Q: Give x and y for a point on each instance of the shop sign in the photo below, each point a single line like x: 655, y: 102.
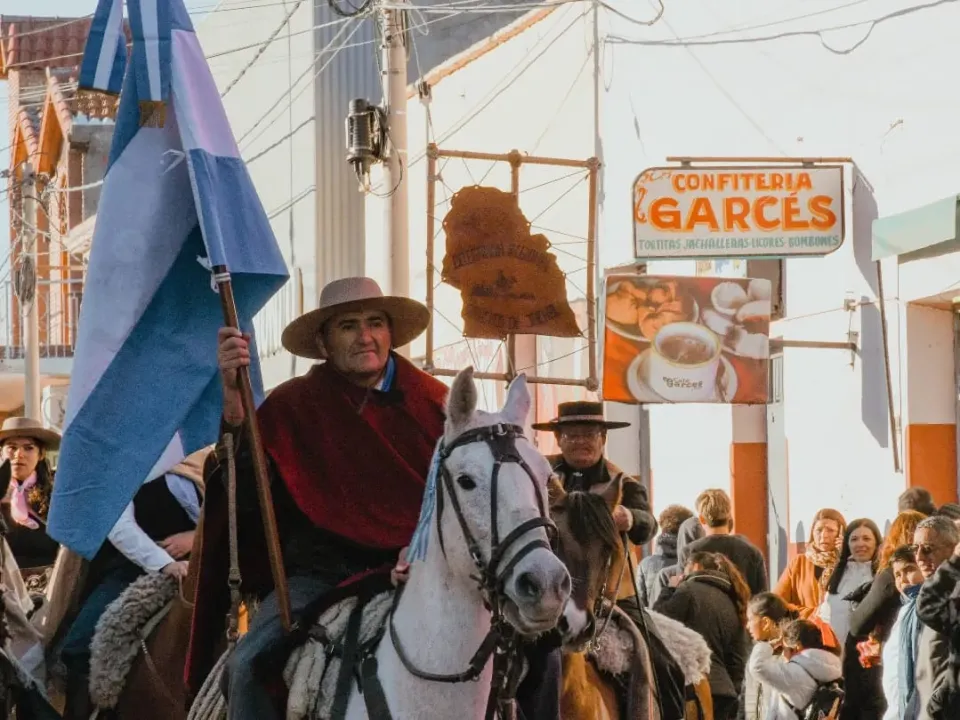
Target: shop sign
x: 508, y: 280
x: 738, y: 211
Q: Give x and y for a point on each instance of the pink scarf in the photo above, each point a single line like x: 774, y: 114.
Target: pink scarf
x: 19, y: 508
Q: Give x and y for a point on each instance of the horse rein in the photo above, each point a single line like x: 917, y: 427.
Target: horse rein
x: 603, y: 599
x: 502, y: 640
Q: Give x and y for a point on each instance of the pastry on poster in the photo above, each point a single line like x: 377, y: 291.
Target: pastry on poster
x: 637, y: 308
x: 741, y: 317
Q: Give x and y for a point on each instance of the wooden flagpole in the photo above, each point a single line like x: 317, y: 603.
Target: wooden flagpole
x: 222, y: 278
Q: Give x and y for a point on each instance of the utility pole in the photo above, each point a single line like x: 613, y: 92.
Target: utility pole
x: 395, y: 166
x: 26, y: 289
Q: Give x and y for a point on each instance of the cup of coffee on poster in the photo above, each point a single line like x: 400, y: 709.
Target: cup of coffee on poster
x: 683, y: 362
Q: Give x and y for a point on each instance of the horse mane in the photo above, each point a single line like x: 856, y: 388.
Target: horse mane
x: 590, y: 519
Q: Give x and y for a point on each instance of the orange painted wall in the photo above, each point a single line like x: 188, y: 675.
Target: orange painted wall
x: 930, y: 453
x: 748, y: 491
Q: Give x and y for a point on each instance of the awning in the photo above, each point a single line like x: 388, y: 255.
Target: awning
x: 915, y: 229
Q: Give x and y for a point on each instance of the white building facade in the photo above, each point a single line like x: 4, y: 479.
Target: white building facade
x: 759, y: 80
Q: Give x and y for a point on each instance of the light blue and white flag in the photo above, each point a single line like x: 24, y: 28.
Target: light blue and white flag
x: 176, y: 201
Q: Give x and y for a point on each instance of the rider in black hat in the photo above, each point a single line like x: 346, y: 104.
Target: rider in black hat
x: 581, y: 432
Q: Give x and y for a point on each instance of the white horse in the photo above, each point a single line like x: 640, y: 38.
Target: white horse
x: 488, y: 547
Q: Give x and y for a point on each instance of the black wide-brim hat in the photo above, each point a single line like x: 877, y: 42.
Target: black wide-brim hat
x: 580, y: 413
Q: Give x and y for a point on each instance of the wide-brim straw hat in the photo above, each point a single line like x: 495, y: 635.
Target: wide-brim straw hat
x: 408, y: 318
x: 24, y: 427
x: 580, y: 413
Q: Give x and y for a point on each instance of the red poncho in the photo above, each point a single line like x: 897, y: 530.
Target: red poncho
x: 355, y: 462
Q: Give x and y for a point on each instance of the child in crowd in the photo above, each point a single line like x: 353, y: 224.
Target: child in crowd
x: 793, y: 679
x: 899, y: 653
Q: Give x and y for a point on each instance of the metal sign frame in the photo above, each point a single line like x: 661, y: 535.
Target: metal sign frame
x: 516, y: 160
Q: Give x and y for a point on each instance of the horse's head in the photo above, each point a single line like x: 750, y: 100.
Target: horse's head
x: 589, y: 544
x: 495, y: 482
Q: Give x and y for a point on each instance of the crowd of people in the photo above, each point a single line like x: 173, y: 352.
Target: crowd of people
x: 859, y: 624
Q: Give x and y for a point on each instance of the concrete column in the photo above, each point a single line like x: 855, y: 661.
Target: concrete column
x: 930, y: 433
x: 748, y: 472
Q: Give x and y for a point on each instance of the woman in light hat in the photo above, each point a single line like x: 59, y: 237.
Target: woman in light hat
x: 27, y: 481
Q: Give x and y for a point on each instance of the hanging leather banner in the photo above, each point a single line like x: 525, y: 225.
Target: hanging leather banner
x: 508, y: 280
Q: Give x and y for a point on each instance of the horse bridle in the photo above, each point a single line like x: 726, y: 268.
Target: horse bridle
x: 602, y: 599
x: 502, y: 641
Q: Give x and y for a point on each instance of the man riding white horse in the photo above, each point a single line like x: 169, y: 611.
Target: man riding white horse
x: 349, y: 447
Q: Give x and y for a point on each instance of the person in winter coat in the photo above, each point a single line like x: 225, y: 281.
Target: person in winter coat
x: 938, y: 607
x: 873, y: 618
x: 690, y: 530
x: 898, y: 661
x: 793, y: 678
x: 715, y: 510
x: 936, y: 540
x: 804, y: 582
x: 711, y: 598
x: 857, y: 566
x: 852, y: 577
x: 766, y: 614
x: 665, y: 554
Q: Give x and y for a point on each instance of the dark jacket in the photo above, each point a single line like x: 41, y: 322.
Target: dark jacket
x: 704, y: 603
x: 877, y: 612
x: 635, y: 496
x: 874, y: 614
x: 938, y: 663
x: 739, y: 551
x: 690, y: 530
x: 864, y: 698
x: 650, y: 567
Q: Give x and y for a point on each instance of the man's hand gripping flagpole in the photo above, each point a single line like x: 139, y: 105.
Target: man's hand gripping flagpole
x: 221, y: 277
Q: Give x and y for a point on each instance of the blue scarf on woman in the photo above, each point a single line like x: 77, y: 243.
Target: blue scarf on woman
x: 909, y: 647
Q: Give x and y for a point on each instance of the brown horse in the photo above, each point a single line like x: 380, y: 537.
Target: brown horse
x: 589, y: 544
x: 155, y: 688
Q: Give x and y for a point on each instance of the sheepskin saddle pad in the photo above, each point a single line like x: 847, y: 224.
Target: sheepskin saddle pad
x: 125, y: 624
x: 312, y: 671
x: 616, y: 646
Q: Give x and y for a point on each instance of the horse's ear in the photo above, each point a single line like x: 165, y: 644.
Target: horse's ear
x: 555, y: 492
x: 612, y: 492
x: 462, y: 400
x: 517, y: 407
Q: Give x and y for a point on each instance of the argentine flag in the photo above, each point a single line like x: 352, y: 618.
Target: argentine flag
x: 176, y: 201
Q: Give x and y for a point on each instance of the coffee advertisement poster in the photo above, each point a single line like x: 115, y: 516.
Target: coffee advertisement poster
x: 686, y: 339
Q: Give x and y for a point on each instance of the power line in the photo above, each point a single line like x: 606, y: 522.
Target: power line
x: 353, y: 12
x: 327, y: 49
x: 818, y: 33
x: 262, y: 49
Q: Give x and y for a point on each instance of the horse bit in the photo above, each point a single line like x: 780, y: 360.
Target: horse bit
x: 502, y: 641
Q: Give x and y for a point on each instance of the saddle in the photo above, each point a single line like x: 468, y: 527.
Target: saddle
x: 126, y: 623
x: 336, y: 641
x: 622, y: 654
